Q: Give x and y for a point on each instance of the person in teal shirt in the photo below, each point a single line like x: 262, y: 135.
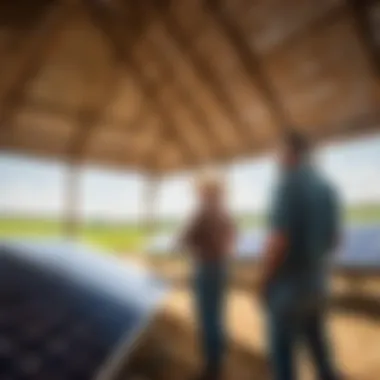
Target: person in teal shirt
x: 304, y: 227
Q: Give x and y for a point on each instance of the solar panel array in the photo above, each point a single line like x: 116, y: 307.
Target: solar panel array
x: 64, y: 311
x: 360, y: 247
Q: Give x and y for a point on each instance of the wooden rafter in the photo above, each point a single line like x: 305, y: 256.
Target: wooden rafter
x: 207, y: 75
x: 112, y: 28
x: 250, y: 61
x: 72, y: 114
x: 364, y: 123
x: 30, y: 57
x: 197, y: 113
x: 367, y: 123
x: 360, y: 11
x: 88, y: 119
x: 49, y: 107
x: 319, y: 23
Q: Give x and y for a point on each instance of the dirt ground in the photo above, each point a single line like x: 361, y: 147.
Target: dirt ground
x: 356, y: 339
x: 355, y: 332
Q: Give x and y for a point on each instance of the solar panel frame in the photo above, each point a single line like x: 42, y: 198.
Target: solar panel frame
x: 70, y: 274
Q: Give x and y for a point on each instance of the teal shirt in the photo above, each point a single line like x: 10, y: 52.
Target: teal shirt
x: 305, y: 208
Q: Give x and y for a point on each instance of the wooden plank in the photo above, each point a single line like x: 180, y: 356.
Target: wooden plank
x: 113, y: 29
x: 34, y: 50
x: 251, y: 63
x: 50, y: 107
x: 361, y: 10
x: 171, y: 93
x: 88, y: 119
x: 320, y: 83
x: 324, y: 20
x: 269, y: 24
x: 205, y: 72
x: 197, y: 113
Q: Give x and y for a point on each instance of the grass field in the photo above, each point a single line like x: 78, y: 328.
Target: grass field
x: 130, y: 237
x: 119, y: 238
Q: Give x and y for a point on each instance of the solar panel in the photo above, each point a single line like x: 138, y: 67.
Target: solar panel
x: 360, y: 248
x: 250, y: 244
x: 67, y: 313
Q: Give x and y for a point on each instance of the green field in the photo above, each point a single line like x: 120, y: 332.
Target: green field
x: 129, y: 237
x: 116, y: 237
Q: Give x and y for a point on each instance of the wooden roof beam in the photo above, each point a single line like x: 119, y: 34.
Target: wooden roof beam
x: 88, y: 119
x: 320, y: 22
x: 45, y: 106
x: 207, y: 75
x: 142, y: 13
x: 360, y: 10
x: 250, y: 61
x: 112, y: 28
x: 198, y: 113
x: 33, y: 52
x: 366, y: 123
x: 73, y: 114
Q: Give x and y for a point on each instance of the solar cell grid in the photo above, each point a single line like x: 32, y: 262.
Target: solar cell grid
x: 57, y: 325
x: 360, y: 246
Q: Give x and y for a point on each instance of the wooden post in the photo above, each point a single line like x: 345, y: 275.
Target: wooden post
x: 72, y: 198
x: 149, y: 206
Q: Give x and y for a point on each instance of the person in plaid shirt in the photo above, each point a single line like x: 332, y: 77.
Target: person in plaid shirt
x: 210, y: 240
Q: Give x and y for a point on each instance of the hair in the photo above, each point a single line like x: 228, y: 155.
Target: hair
x: 297, y: 142
x: 210, y: 178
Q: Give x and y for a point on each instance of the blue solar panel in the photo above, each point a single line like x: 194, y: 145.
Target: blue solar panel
x: 250, y: 245
x: 65, y: 311
x: 360, y: 247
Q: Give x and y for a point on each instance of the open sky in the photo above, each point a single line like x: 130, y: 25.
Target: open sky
x: 38, y: 187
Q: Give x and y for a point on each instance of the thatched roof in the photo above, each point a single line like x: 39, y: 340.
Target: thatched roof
x: 165, y: 85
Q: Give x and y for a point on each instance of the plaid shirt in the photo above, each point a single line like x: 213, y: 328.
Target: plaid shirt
x: 210, y: 235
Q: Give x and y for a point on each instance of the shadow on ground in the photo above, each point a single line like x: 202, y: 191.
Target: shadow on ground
x: 358, y: 304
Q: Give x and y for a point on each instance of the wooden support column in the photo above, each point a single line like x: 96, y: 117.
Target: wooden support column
x: 71, y: 222
x: 150, y: 199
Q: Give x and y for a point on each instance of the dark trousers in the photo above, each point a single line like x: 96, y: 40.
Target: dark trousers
x: 287, y: 330
x: 209, y: 286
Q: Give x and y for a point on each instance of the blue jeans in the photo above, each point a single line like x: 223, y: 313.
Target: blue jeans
x: 292, y: 317
x: 209, y: 285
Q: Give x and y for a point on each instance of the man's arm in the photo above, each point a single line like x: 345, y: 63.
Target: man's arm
x: 278, y: 240
x: 274, y: 254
